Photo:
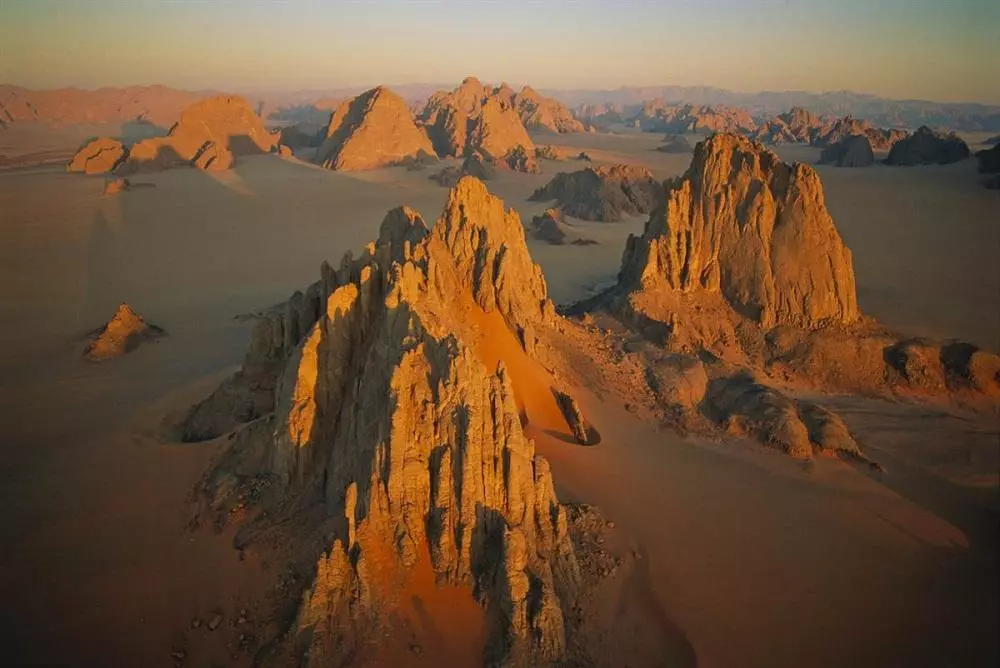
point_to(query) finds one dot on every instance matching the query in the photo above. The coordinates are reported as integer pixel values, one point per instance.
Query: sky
(946, 50)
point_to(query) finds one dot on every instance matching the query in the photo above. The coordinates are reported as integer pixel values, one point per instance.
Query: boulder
(606, 193)
(854, 151)
(115, 186)
(375, 129)
(98, 156)
(928, 147)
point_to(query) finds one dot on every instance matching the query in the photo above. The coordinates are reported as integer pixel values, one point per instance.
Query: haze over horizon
(894, 49)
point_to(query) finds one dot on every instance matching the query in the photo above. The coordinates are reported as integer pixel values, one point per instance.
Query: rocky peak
(375, 129)
(742, 223)
(122, 334)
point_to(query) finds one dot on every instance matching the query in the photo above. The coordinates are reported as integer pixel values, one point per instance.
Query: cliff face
(403, 381)
(375, 129)
(744, 224)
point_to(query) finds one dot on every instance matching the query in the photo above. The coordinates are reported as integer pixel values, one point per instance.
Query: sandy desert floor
(750, 558)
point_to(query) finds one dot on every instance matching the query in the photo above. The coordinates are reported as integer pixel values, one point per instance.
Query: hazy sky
(935, 49)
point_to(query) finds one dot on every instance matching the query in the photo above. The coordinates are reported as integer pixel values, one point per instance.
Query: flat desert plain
(741, 548)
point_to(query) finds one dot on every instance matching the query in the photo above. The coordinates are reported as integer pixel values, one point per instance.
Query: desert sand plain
(739, 548)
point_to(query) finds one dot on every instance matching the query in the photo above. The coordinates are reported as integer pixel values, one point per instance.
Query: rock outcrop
(928, 147)
(675, 144)
(543, 114)
(797, 125)
(551, 228)
(403, 381)
(210, 134)
(375, 129)
(854, 151)
(880, 139)
(98, 156)
(122, 334)
(744, 224)
(606, 193)
(989, 160)
(657, 116)
(115, 186)
(474, 118)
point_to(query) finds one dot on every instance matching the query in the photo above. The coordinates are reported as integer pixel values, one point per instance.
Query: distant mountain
(884, 112)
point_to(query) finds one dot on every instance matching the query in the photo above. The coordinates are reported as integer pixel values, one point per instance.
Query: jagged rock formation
(675, 144)
(98, 156)
(390, 405)
(122, 334)
(210, 135)
(854, 151)
(475, 117)
(115, 186)
(797, 125)
(606, 193)
(746, 225)
(375, 129)
(302, 135)
(880, 139)
(551, 228)
(928, 147)
(657, 116)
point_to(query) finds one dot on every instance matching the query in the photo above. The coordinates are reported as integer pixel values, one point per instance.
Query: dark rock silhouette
(928, 147)
(853, 151)
(606, 193)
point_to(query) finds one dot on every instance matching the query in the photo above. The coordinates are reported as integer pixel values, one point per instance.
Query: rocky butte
(928, 147)
(743, 284)
(375, 129)
(605, 193)
(853, 151)
(395, 393)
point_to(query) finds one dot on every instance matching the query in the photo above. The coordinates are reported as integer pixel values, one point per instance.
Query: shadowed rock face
(797, 125)
(854, 151)
(928, 147)
(540, 113)
(375, 129)
(385, 407)
(122, 334)
(551, 228)
(989, 160)
(880, 139)
(744, 224)
(475, 117)
(675, 144)
(606, 193)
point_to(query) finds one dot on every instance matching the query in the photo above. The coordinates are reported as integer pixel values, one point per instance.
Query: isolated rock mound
(854, 151)
(989, 160)
(797, 125)
(403, 382)
(606, 193)
(115, 186)
(98, 156)
(544, 114)
(122, 334)
(475, 118)
(551, 228)
(928, 147)
(675, 144)
(744, 224)
(375, 129)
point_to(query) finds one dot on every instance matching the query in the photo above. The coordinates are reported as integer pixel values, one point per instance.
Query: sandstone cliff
(403, 381)
(98, 156)
(606, 193)
(375, 129)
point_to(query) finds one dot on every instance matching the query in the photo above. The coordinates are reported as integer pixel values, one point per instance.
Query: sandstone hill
(122, 334)
(475, 117)
(928, 147)
(209, 135)
(853, 151)
(880, 139)
(544, 114)
(797, 125)
(742, 285)
(550, 227)
(605, 193)
(392, 396)
(375, 129)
